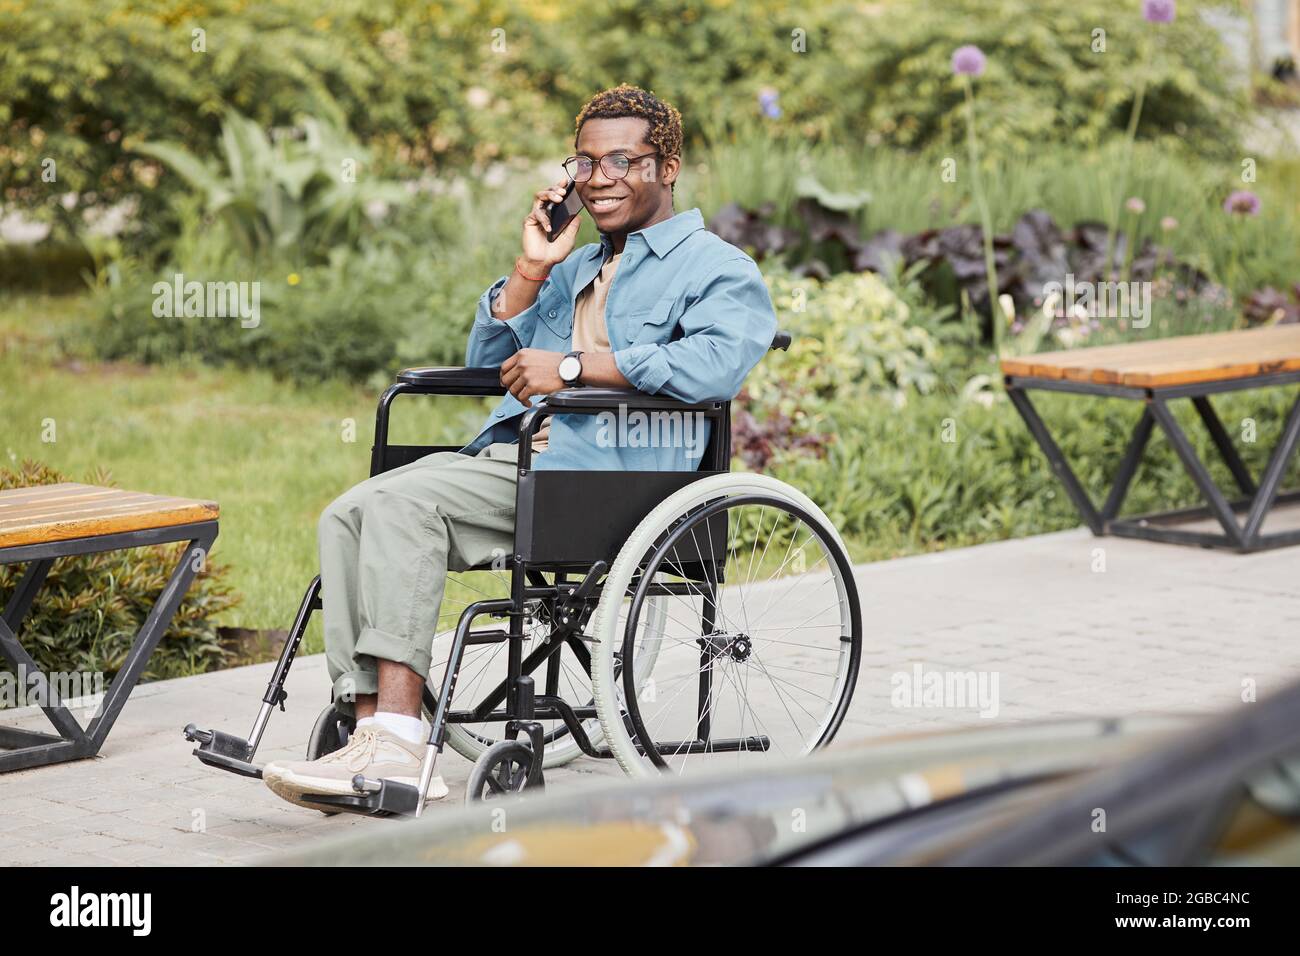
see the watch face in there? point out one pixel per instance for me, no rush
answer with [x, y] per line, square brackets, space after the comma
[570, 368]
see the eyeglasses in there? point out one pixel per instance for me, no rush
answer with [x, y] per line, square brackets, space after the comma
[613, 165]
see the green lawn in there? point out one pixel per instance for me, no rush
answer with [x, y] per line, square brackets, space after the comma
[273, 455]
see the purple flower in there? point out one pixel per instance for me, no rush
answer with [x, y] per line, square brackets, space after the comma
[968, 61]
[1158, 11]
[1242, 202]
[767, 102]
[1135, 206]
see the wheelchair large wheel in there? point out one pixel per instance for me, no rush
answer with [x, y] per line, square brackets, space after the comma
[761, 649]
[484, 667]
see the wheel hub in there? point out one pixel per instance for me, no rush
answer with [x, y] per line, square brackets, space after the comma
[737, 646]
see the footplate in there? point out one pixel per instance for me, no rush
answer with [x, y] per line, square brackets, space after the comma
[375, 798]
[224, 751]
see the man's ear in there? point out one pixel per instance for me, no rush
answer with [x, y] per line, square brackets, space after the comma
[668, 169]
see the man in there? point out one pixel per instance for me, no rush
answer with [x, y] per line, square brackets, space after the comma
[660, 304]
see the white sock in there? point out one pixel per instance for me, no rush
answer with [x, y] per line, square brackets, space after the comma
[408, 728]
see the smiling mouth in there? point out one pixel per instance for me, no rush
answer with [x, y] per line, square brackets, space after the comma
[605, 204]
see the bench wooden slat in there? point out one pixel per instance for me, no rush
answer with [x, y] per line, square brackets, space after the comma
[70, 507]
[45, 513]
[67, 489]
[1183, 360]
[95, 514]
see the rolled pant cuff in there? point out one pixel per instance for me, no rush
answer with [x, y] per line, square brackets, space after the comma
[389, 647]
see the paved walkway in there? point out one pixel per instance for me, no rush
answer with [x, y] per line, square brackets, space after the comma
[1069, 625]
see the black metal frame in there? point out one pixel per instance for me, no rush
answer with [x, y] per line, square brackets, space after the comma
[1258, 498]
[20, 749]
[559, 545]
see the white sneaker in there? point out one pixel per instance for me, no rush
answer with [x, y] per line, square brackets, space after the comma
[373, 751]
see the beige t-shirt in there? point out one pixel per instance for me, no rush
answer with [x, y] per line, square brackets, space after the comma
[590, 333]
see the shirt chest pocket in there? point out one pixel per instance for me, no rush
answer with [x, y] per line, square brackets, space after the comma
[556, 315]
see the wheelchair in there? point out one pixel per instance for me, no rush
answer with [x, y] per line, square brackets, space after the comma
[658, 619]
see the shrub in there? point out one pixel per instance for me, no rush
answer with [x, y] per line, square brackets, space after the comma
[1183, 197]
[405, 77]
[1045, 82]
[92, 605]
[299, 195]
[338, 320]
[475, 81]
[404, 295]
[853, 337]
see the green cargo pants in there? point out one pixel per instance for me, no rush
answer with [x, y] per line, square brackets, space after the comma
[386, 546]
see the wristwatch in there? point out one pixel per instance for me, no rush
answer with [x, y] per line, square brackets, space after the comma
[571, 368]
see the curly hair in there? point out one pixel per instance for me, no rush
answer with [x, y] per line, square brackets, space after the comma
[665, 133]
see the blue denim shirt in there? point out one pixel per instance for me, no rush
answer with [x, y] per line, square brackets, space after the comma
[688, 316]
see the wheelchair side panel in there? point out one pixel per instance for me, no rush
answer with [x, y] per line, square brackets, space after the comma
[569, 518]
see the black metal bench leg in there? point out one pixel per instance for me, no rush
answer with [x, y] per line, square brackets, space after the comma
[155, 625]
[21, 600]
[1137, 444]
[1219, 506]
[1241, 519]
[72, 735]
[1222, 442]
[1271, 480]
[72, 741]
[34, 750]
[1087, 511]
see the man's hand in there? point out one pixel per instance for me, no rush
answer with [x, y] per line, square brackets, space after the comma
[538, 252]
[538, 255]
[532, 372]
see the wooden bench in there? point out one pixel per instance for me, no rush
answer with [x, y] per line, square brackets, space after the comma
[42, 523]
[1155, 373]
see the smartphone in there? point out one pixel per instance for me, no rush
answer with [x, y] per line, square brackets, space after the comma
[561, 213]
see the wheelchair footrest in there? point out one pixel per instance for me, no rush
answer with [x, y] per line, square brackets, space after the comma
[223, 751]
[384, 799]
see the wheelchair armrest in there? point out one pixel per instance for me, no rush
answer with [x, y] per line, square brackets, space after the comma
[581, 400]
[453, 381]
[592, 401]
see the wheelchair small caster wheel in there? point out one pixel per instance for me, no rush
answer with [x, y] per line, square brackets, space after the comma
[331, 733]
[505, 768]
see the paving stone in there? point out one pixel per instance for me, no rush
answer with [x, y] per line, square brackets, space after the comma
[87, 843]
